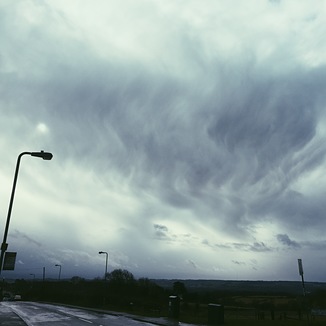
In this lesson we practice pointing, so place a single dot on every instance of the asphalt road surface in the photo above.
(17, 313)
(8, 317)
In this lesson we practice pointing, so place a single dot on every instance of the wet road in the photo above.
(8, 317)
(39, 314)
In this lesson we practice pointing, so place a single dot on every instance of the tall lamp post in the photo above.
(106, 262)
(45, 156)
(58, 265)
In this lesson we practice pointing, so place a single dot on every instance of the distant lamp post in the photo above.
(45, 156)
(106, 262)
(58, 265)
(33, 276)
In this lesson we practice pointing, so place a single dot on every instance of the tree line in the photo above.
(120, 290)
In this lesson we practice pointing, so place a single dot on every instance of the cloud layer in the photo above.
(187, 141)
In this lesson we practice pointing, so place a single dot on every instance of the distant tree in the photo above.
(179, 289)
(97, 278)
(121, 277)
(148, 288)
(77, 279)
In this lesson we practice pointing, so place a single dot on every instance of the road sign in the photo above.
(9, 261)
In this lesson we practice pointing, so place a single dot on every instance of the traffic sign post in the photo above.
(301, 274)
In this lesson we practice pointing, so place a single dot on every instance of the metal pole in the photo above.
(303, 286)
(58, 265)
(4, 244)
(106, 265)
(106, 262)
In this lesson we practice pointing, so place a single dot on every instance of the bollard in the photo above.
(174, 306)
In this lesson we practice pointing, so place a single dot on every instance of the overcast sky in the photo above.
(188, 137)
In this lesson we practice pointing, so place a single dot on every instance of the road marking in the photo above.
(85, 320)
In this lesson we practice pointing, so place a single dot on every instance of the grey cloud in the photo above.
(260, 247)
(205, 242)
(268, 122)
(285, 240)
(314, 245)
(22, 236)
(296, 210)
(161, 231)
(178, 156)
(192, 264)
(237, 246)
(160, 227)
(255, 247)
(223, 138)
(223, 246)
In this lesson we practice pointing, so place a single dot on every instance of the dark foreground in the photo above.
(243, 303)
(32, 313)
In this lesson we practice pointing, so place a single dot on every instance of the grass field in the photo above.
(248, 311)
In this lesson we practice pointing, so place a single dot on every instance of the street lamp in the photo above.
(58, 265)
(45, 156)
(106, 262)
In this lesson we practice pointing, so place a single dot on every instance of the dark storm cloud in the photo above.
(266, 125)
(178, 140)
(298, 210)
(269, 121)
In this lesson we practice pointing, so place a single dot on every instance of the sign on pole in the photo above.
(9, 261)
(300, 267)
(301, 273)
